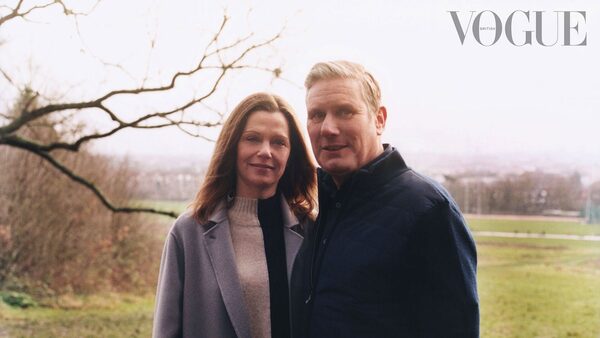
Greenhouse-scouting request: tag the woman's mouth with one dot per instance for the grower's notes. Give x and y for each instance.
(262, 166)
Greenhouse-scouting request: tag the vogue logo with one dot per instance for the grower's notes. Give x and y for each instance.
(523, 23)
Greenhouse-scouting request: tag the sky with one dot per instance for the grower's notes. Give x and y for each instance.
(442, 96)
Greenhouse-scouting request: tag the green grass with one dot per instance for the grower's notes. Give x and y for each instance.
(106, 315)
(533, 226)
(527, 288)
(539, 288)
(164, 221)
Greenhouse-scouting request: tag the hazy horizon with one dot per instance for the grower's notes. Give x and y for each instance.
(442, 97)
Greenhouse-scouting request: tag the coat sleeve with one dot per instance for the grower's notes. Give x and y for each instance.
(446, 287)
(168, 310)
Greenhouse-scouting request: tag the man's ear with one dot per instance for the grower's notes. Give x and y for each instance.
(380, 119)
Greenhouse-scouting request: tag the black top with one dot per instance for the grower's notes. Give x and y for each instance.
(271, 222)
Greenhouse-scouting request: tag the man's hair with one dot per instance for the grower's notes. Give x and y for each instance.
(347, 70)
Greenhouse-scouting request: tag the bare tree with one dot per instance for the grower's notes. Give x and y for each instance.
(218, 59)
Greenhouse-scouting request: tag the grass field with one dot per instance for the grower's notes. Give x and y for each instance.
(106, 315)
(176, 206)
(539, 288)
(527, 287)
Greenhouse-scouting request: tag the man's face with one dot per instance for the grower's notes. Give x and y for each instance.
(343, 133)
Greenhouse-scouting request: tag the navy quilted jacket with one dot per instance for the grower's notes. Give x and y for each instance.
(390, 255)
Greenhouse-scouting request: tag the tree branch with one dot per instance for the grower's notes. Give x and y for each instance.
(34, 149)
(17, 13)
(224, 59)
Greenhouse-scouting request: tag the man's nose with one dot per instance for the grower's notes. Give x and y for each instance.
(265, 150)
(329, 127)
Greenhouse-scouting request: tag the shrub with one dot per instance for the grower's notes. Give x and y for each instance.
(17, 299)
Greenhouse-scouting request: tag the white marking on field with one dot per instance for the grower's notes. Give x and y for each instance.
(593, 238)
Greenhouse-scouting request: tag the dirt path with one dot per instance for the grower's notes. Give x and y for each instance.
(533, 235)
(527, 217)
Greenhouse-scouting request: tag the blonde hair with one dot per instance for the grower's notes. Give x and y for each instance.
(347, 70)
(298, 183)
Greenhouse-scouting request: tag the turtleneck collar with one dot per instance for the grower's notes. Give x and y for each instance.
(244, 211)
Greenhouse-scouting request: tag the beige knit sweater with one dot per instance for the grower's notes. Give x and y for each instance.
(248, 244)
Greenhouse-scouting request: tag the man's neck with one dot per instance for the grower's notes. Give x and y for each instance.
(339, 180)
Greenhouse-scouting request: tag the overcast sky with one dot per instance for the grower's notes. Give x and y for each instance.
(442, 96)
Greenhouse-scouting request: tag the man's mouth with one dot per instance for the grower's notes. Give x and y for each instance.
(335, 147)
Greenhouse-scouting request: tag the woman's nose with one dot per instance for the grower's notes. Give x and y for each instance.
(265, 150)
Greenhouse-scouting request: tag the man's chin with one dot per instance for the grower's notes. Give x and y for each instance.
(336, 169)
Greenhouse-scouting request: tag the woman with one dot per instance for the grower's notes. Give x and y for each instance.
(226, 263)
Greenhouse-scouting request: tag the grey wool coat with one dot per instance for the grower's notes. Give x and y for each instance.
(199, 292)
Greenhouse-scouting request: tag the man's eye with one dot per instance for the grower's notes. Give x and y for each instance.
(345, 113)
(317, 116)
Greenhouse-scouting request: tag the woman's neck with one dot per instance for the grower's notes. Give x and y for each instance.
(259, 194)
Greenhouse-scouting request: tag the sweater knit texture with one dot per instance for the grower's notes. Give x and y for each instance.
(248, 244)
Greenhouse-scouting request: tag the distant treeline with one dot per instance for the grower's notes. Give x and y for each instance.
(528, 193)
(177, 185)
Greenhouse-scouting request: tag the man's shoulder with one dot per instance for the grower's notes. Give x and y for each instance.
(419, 189)
(392, 172)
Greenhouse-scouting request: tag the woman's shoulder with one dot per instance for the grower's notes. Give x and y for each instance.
(184, 224)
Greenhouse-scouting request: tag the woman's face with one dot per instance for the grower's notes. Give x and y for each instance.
(262, 154)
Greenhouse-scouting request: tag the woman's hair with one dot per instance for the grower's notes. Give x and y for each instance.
(298, 183)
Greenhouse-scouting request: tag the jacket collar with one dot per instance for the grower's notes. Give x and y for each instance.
(380, 170)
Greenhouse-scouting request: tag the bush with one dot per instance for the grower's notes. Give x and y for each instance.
(17, 299)
(57, 237)
(56, 233)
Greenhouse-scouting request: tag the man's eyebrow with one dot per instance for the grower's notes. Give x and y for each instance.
(346, 106)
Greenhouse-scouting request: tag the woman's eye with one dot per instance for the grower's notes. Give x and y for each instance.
(281, 143)
(252, 138)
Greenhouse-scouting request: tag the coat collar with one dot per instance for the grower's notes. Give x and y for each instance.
(290, 220)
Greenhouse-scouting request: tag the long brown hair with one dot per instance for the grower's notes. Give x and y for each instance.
(298, 183)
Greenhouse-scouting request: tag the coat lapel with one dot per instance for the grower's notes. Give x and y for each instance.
(292, 239)
(217, 238)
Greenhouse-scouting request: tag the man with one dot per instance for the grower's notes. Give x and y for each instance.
(390, 254)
